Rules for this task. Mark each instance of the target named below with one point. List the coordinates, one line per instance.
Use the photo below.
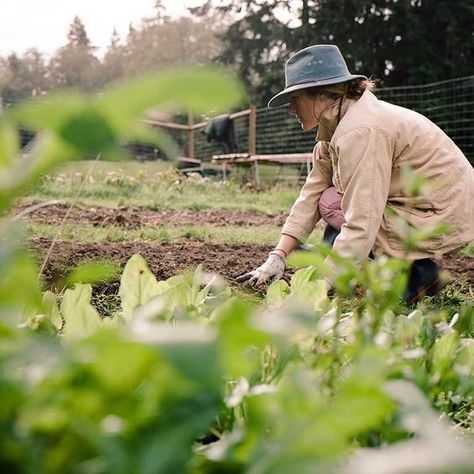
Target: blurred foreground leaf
(137, 285)
(98, 271)
(199, 90)
(81, 318)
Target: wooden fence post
(190, 135)
(252, 131)
(253, 142)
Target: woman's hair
(352, 89)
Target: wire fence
(449, 104)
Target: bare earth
(143, 217)
(168, 259)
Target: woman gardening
(365, 150)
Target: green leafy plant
(188, 375)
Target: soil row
(168, 259)
(142, 217)
(164, 259)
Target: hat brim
(283, 97)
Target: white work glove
(269, 271)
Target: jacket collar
(331, 117)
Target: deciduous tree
(23, 77)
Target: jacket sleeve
(364, 157)
(305, 211)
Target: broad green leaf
(190, 348)
(300, 259)
(240, 344)
(122, 366)
(183, 88)
(138, 285)
(9, 144)
(81, 318)
(51, 309)
(193, 351)
(443, 352)
(98, 271)
(88, 131)
(277, 292)
(51, 113)
(302, 277)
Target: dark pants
(423, 280)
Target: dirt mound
(142, 217)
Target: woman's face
(308, 108)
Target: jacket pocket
(401, 222)
(421, 208)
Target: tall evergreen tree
(75, 64)
(399, 42)
(254, 43)
(402, 42)
(114, 61)
(77, 34)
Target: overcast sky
(43, 24)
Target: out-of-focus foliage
(72, 125)
(186, 376)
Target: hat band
(314, 80)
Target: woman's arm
(301, 221)
(286, 245)
(364, 172)
(305, 212)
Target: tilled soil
(142, 217)
(164, 259)
(168, 259)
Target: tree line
(397, 42)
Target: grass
(263, 235)
(155, 185)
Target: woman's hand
(268, 272)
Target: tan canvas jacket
(375, 155)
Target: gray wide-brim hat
(319, 65)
